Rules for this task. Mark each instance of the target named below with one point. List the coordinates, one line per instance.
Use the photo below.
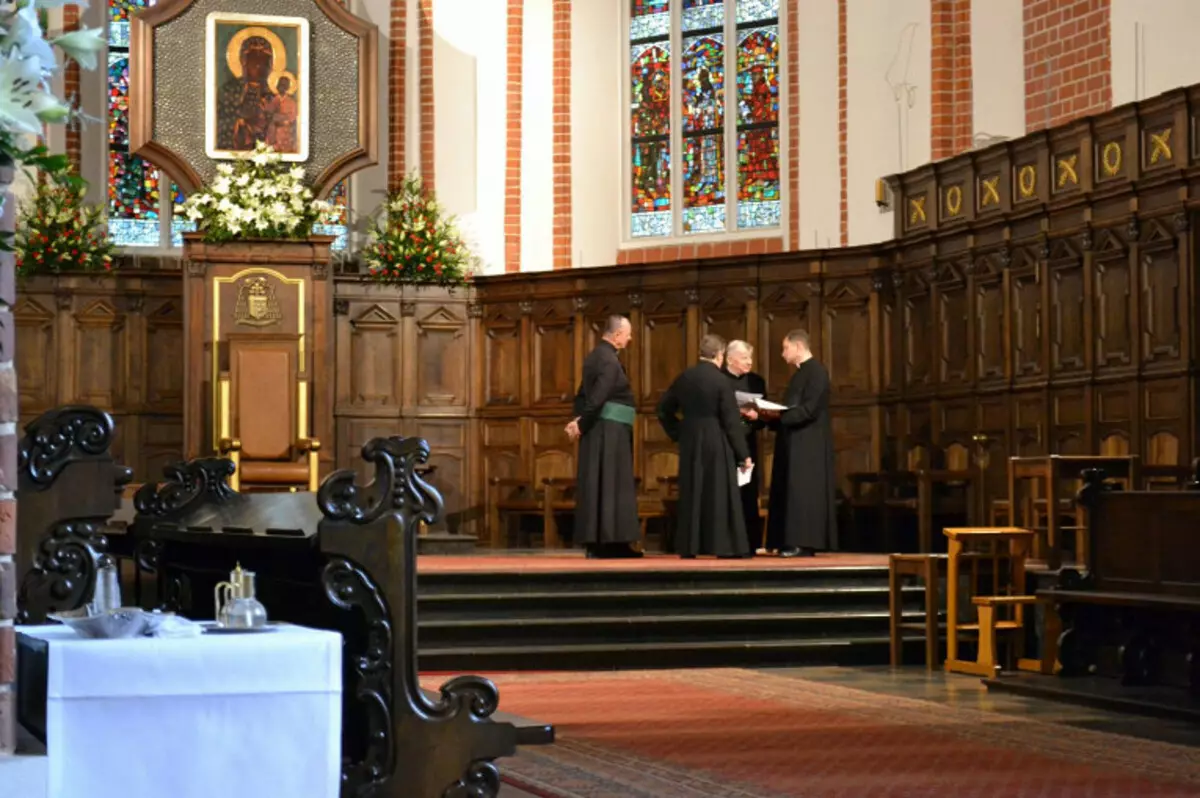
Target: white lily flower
(19, 80)
(83, 46)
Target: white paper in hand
(763, 404)
(746, 399)
(744, 476)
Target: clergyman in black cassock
(739, 359)
(606, 519)
(712, 447)
(801, 515)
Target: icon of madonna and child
(256, 85)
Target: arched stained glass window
(140, 197)
(716, 104)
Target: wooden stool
(1018, 543)
(923, 566)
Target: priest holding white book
(749, 388)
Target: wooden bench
(1133, 612)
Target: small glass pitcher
(236, 606)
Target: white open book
(744, 476)
(756, 400)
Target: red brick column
(512, 146)
(952, 109)
(562, 134)
(793, 116)
(1068, 61)
(427, 105)
(397, 92)
(9, 402)
(71, 88)
(843, 103)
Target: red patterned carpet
(743, 734)
(575, 561)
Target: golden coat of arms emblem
(257, 305)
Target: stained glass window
(136, 201)
(717, 42)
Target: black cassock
(751, 383)
(711, 444)
(606, 496)
(801, 511)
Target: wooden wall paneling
(1029, 423)
(1114, 301)
(726, 311)
(36, 330)
(783, 307)
(846, 346)
(886, 332)
(1164, 430)
(1070, 422)
(1067, 278)
(503, 356)
(552, 353)
(1162, 294)
(954, 332)
(1027, 297)
(440, 355)
(988, 342)
(918, 331)
(994, 421)
(666, 347)
(1115, 413)
(368, 337)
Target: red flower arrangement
(413, 241)
(57, 232)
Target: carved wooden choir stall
(344, 559)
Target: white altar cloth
(228, 715)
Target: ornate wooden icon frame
(141, 96)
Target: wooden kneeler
(987, 610)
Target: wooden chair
(263, 416)
(508, 497)
(1016, 546)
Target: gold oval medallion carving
(1027, 180)
(1110, 158)
(954, 200)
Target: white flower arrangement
(27, 64)
(255, 197)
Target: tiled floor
(967, 691)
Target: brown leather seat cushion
(274, 473)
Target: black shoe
(807, 552)
(734, 556)
(790, 551)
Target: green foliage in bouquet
(57, 231)
(255, 197)
(413, 241)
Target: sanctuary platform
(561, 611)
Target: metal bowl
(117, 624)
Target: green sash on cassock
(622, 414)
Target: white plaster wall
(369, 186)
(998, 67)
(1162, 55)
(469, 109)
(874, 42)
(412, 89)
(537, 136)
(820, 178)
(597, 79)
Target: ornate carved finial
(1085, 240)
(879, 281)
(1044, 249)
(408, 308)
(63, 576)
(320, 270)
(579, 303)
(692, 296)
(1181, 222)
(205, 479)
(341, 307)
(63, 299)
(897, 279)
(1094, 483)
(60, 436)
(1005, 258)
(475, 310)
(751, 292)
(1133, 229)
(397, 487)
(195, 268)
(135, 302)
(635, 299)
(526, 307)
